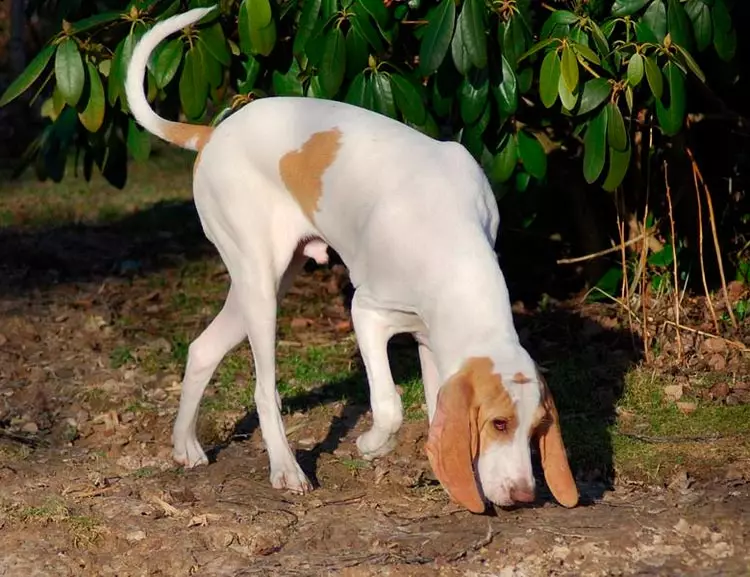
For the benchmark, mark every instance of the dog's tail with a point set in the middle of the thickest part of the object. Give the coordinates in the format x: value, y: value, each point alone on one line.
x: 190, y: 136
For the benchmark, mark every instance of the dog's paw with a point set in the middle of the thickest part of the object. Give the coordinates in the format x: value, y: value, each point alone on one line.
x: 375, y: 443
x: 291, y: 478
x: 189, y: 453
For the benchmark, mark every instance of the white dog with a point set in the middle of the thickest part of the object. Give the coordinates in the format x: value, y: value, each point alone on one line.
x: 415, y: 221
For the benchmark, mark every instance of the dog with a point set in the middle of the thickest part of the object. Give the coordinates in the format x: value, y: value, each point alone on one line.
x: 415, y: 221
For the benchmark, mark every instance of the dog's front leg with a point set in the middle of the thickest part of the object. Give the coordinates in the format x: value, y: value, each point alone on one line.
x: 373, y: 331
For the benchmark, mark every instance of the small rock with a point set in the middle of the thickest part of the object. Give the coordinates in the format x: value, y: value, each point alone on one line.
x: 673, y: 392
x: 135, y: 536
x: 300, y: 323
x: 717, y: 362
x: 732, y: 400
x: 3, y: 339
x: 127, y: 417
x: 686, y: 407
x: 30, y: 427
x: 307, y: 442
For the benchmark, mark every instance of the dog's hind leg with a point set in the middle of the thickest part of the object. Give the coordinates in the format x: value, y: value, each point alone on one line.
x: 205, y: 353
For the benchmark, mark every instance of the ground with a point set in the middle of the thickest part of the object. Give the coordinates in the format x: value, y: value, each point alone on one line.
x: 102, y: 290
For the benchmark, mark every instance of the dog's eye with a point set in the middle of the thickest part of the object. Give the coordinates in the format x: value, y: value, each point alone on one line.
x: 500, y: 425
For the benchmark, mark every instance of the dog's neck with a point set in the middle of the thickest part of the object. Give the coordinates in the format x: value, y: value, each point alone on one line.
x: 471, y: 316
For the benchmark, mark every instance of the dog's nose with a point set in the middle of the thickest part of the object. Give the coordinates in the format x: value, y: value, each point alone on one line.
x: 522, y: 494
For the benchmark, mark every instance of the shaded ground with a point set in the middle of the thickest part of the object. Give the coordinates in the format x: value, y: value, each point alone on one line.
x: 103, y: 290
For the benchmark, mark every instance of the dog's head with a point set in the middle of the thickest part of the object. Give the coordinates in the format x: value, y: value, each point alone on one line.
x: 479, y: 439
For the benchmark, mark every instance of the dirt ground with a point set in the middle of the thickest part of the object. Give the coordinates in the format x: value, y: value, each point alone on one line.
x: 92, y: 337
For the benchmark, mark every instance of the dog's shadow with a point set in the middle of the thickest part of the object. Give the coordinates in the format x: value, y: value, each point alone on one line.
x: 585, y: 362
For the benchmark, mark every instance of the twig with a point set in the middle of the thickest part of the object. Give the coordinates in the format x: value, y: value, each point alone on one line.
x: 730, y: 342
x: 676, y: 288
x: 700, y: 250
x: 622, y: 246
x: 660, y: 439
x: 717, y: 248
x: 736, y: 344
x: 486, y: 540
x: 625, y: 285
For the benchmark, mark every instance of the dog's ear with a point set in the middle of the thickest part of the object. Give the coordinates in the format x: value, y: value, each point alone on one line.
x: 453, y: 442
x: 554, y: 459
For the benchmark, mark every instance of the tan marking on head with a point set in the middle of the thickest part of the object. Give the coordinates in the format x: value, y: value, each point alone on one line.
x: 521, y: 379
x: 468, y: 404
x: 302, y: 170
x: 193, y: 136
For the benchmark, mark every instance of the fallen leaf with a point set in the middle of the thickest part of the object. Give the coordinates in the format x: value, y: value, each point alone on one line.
x: 687, y: 407
x: 673, y: 392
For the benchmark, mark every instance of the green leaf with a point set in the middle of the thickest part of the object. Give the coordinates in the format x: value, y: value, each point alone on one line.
x: 28, y: 76
x: 357, y: 52
x: 531, y: 154
x: 333, y: 66
x: 514, y: 39
x: 119, y: 67
x: 618, y: 168
x: 617, y: 134
x: 691, y: 64
x: 725, y: 37
x: 408, y: 99
x: 655, y: 17
x: 383, y: 94
x: 523, y: 179
x: 329, y: 8
x: 644, y: 35
x: 549, y: 78
x: 472, y: 96
x: 504, y: 162
x: 308, y: 17
x: 663, y: 258
x: 92, y: 116
x: 702, y: 25
x: 679, y: 25
x: 672, y: 116
x: 94, y: 21
x: 569, y: 68
x: 564, y: 17
x: 69, y: 72
x: 166, y: 61
x: 471, y: 20
x: 654, y: 77
x: 507, y: 91
x: 595, y: 91
x: 600, y: 40
x: 288, y: 84
x: 437, y: 37
x: 212, y: 69
x: 378, y: 11
x: 595, y: 147
x: 357, y: 93
x: 252, y: 70
x: 635, y: 69
x: 257, y: 27
x: 537, y: 47
x: 569, y: 99
x: 138, y: 142
x: 459, y: 52
x: 216, y: 44
x: 587, y: 53
x: 193, y: 85
x: 360, y: 20
x: 627, y: 7
x: 114, y: 162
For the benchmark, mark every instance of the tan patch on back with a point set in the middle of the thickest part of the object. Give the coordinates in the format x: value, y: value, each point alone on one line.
x: 521, y: 379
x: 194, y: 136
x: 302, y: 170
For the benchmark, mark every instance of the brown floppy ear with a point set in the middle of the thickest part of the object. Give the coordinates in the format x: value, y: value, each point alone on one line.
x: 554, y: 459
x: 452, y: 443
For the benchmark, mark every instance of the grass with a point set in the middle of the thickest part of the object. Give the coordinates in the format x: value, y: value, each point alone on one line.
x: 83, y: 529
x: 600, y: 435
